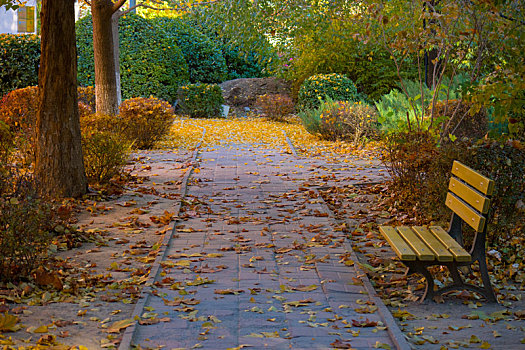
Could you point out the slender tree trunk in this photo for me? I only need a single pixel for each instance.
(116, 53)
(105, 77)
(59, 165)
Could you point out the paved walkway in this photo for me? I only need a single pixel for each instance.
(257, 261)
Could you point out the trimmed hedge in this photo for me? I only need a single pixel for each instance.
(320, 86)
(201, 100)
(19, 60)
(205, 60)
(151, 63)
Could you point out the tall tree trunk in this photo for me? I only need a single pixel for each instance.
(59, 166)
(116, 53)
(105, 77)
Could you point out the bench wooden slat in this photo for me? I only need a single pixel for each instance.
(422, 251)
(470, 216)
(473, 178)
(460, 254)
(440, 251)
(472, 197)
(398, 244)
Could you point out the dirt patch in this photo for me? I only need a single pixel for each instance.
(103, 278)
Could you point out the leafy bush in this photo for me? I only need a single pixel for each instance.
(338, 87)
(347, 121)
(397, 111)
(18, 109)
(204, 58)
(144, 121)
(275, 106)
(457, 120)
(151, 63)
(19, 60)
(421, 171)
(105, 155)
(23, 235)
(242, 65)
(86, 95)
(341, 120)
(201, 100)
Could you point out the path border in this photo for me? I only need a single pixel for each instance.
(396, 335)
(127, 339)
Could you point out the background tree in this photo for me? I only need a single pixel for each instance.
(59, 166)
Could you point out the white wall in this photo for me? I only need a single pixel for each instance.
(9, 19)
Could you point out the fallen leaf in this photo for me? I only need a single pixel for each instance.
(120, 325)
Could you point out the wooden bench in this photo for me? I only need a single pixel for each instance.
(419, 247)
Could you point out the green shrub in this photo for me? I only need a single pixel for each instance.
(318, 87)
(396, 108)
(205, 61)
(242, 61)
(19, 60)
(275, 106)
(105, 155)
(151, 63)
(201, 100)
(144, 121)
(242, 65)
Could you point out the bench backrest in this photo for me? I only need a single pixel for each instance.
(469, 195)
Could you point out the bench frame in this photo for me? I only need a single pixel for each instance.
(477, 251)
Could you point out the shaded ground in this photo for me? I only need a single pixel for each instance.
(102, 279)
(257, 261)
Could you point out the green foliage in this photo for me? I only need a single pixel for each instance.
(318, 87)
(19, 61)
(144, 121)
(151, 63)
(402, 108)
(275, 106)
(204, 58)
(201, 100)
(247, 56)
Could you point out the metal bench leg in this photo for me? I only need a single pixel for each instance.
(429, 285)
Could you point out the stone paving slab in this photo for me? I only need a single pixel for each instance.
(257, 262)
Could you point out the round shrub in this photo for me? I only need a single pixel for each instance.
(145, 120)
(19, 60)
(275, 106)
(18, 109)
(201, 100)
(105, 155)
(205, 61)
(151, 63)
(318, 87)
(354, 121)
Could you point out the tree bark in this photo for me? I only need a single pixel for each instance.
(105, 78)
(59, 165)
(116, 54)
